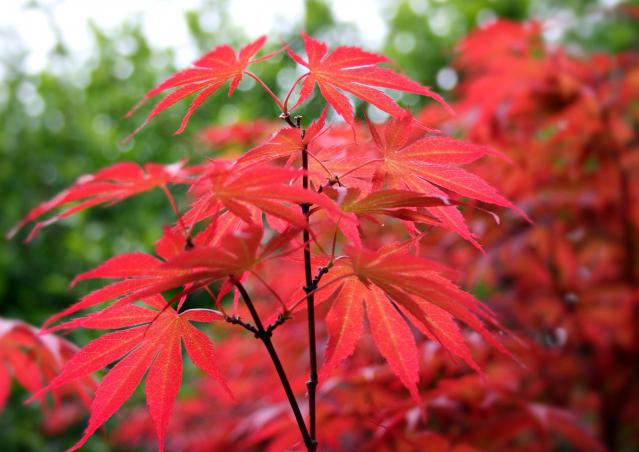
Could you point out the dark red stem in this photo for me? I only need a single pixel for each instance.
(265, 336)
(309, 288)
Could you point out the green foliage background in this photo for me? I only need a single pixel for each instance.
(60, 124)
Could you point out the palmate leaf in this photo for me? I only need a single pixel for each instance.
(355, 71)
(141, 275)
(392, 336)
(242, 189)
(393, 287)
(208, 74)
(430, 165)
(153, 343)
(400, 204)
(109, 185)
(285, 143)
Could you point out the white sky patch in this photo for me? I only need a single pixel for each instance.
(163, 23)
(262, 17)
(365, 15)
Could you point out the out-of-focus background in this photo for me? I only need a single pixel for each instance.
(70, 69)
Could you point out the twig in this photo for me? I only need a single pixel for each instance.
(311, 384)
(264, 335)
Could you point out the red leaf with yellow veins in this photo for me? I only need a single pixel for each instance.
(345, 324)
(394, 340)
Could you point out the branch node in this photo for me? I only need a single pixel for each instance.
(287, 117)
(321, 272)
(281, 318)
(236, 320)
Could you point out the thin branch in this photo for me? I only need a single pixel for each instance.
(311, 384)
(281, 318)
(287, 117)
(236, 320)
(321, 272)
(265, 336)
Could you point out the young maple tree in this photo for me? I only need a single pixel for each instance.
(316, 218)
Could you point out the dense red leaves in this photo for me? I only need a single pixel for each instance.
(355, 71)
(208, 74)
(570, 280)
(511, 54)
(109, 185)
(363, 405)
(400, 204)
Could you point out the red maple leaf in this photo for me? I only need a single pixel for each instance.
(395, 286)
(352, 70)
(152, 343)
(401, 204)
(207, 75)
(141, 275)
(109, 185)
(285, 143)
(242, 189)
(430, 165)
